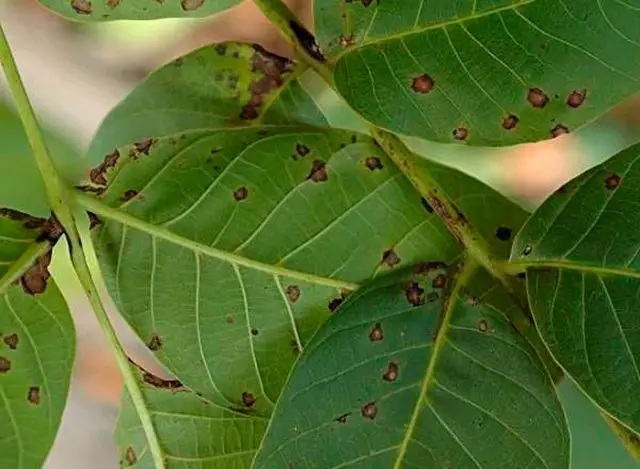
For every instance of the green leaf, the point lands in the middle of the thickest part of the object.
(491, 72)
(406, 376)
(37, 343)
(221, 86)
(110, 10)
(581, 251)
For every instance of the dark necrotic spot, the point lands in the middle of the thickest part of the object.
(392, 372)
(98, 174)
(460, 133)
(537, 98)
(190, 5)
(343, 418)
(373, 163)
(503, 233)
(155, 343)
(390, 258)
(160, 383)
(306, 40)
(612, 181)
(302, 150)
(440, 281)
(33, 395)
(426, 205)
(510, 122)
(240, 194)
(248, 399)
(94, 221)
(527, 250)
(221, 49)
(144, 146)
(369, 411)
(82, 7)
(12, 341)
(576, 98)
(293, 293)
(366, 3)
(422, 83)
(128, 195)
(318, 171)
(483, 326)
(34, 281)
(376, 333)
(130, 456)
(335, 304)
(254, 332)
(521, 275)
(5, 365)
(559, 130)
(414, 294)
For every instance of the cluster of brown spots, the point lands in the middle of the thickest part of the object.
(130, 456)
(248, 399)
(274, 68)
(302, 150)
(483, 326)
(440, 281)
(335, 304)
(343, 418)
(426, 205)
(97, 174)
(306, 40)
(392, 372)
(559, 130)
(369, 411)
(155, 343)
(12, 341)
(537, 98)
(373, 163)
(414, 294)
(161, 383)
(240, 194)
(190, 5)
(128, 195)
(510, 122)
(82, 7)
(422, 84)
(390, 258)
(461, 133)
(33, 396)
(318, 171)
(34, 281)
(143, 147)
(376, 333)
(254, 331)
(5, 365)
(576, 98)
(347, 41)
(503, 233)
(612, 181)
(293, 293)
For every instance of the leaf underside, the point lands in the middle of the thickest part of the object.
(402, 377)
(491, 72)
(582, 247)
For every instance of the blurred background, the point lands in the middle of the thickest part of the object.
(75, 73)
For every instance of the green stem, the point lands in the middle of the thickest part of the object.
(62, 202)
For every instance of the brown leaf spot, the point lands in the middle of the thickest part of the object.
(248, 399)
(537, 98)
(318, 171)
(240, 194)
(483, 326)
(293, 293)
(440, 281)
(33, 395)
(155, 343)
(414, 294)
(190, 5)
(347, 41)
(144, 146)
(113, 3)
(94, 221)
(229, 319)
(426, 205)
(12, 341)
(510, 122)
(82, 7)
(302, 150)
(130, 456)
(503, 233)
(376, 333)
(34, 281)
(422, 84)
(612, 181)
(369, 411)
(460, 133)
(559, 130)
(5, 365)
(343, 418)
(392, 372)
(366, 3)
(373, 163)
(27, 220)
(161, 383)
(335, 304)
(576, 98)
(97, 174)
(390, 258)
(128, 195)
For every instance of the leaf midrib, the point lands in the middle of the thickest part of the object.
(571, 265)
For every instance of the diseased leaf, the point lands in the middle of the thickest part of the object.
(221, 86)
(37, 343)
(407, 376)
(582, 249)
(492, 72)
(109, 10)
